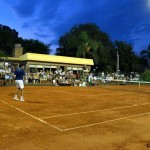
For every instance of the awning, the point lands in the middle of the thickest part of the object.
(56, 59)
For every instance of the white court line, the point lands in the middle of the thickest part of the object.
(95, 97)
(89, 96)
(108, 121)
(32, 116)
(72, 93)
(98, 89)
(94, 111)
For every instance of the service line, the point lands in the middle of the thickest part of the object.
(99, 110)
(108, 121)
(88, 96)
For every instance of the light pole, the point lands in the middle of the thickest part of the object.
(117, 66)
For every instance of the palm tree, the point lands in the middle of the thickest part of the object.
(96, 47)
(84, 44)
(91, 47)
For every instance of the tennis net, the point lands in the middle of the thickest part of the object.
(135, 86)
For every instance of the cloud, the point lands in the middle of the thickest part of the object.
(140, 35)
(24, 8)
(49, 19)
(41, 35)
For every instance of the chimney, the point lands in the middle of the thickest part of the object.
(17, 51)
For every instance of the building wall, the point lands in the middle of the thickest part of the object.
(42, 65)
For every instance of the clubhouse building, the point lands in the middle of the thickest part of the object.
(36, 62)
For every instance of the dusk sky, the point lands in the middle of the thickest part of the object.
(47, 20)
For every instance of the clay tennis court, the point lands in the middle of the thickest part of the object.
(76, 118)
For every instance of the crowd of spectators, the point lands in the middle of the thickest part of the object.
(60, 77)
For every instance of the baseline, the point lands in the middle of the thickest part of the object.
(34, 117)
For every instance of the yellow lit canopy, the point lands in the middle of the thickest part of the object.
(55, 59)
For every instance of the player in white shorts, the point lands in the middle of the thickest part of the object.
(19, 75)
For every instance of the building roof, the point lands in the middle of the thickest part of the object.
(10, 58)
(55, 59)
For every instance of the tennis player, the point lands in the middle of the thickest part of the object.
(19, 76)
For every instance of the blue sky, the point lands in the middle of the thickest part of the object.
(47, 20)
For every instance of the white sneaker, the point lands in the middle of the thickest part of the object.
(16, 98)
(22, 99)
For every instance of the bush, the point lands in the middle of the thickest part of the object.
(146, 76)
(2, 54)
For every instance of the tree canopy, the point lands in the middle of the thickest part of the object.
(145, 55)
(146, 76)
(34, 46)
(86, 40)
(89, 41)
(9, 37)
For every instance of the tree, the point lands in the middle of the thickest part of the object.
(34, 46)
(127, 58)
(83, 45)
(146, 76)
(145, 55)
(88, 41)
(8, 38)
(2, 54)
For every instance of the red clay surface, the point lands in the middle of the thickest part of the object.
(76, 118)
